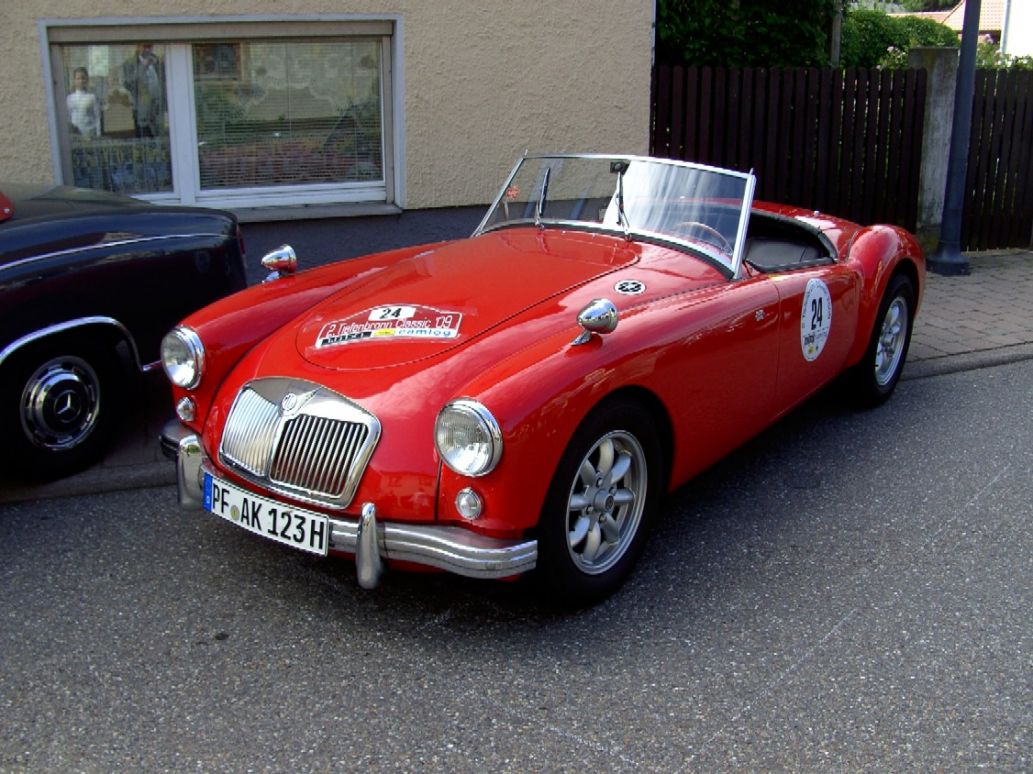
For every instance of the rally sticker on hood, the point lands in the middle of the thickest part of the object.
(385, 323)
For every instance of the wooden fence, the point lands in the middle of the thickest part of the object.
(998, 211)
(848, 142)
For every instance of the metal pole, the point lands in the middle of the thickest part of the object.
(947, 259)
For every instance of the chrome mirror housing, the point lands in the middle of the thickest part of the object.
(599, 316)
(280, 262)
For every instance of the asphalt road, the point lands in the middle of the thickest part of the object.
(849, 592)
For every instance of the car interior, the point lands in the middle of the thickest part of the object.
(778, 244)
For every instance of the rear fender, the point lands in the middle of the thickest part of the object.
(880, 252)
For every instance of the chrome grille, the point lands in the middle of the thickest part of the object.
(250, 433)
(316, 453)
(300, 439)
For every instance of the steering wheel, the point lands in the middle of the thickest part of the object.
(690, 225)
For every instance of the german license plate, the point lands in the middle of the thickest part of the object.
(294, 527)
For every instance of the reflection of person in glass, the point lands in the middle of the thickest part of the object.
(83, 108)
(144, 78)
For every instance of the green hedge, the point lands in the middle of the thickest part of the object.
(874, 39)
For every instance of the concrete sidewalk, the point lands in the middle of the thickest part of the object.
(965, 323)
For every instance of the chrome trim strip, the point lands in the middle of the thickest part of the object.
(744, 222)
(454, 549)
(102, 245)
(68, 325)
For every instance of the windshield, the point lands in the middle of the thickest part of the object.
(701, 208)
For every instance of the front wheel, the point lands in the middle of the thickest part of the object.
(599, 505)
(876, 376)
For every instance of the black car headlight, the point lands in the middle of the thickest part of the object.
(468, 438)
(182, 357)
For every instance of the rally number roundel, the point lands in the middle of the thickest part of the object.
(815, 319)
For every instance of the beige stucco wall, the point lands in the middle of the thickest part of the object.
(481, 82)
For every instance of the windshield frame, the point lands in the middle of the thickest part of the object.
(733, 270)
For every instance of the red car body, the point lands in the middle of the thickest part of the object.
(708, 360)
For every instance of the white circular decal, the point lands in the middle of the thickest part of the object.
(630, 287)
(815, 319)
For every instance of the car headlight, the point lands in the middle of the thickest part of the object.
(182, 357)
(468, 438)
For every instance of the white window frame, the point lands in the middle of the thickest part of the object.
(177, 34)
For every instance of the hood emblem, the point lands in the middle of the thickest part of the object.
(630, 287)
(292, 402)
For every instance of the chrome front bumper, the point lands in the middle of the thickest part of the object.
(454, 549)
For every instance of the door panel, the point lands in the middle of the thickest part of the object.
(725, 385)
(816, 329)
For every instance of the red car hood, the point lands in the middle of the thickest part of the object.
(447, 296)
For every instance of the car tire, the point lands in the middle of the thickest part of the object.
(876, 376)
(599, 505)
(58, 407)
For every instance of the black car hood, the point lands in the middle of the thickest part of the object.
(40, 201)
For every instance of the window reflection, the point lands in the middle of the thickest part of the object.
(287, 113)
(117, 117)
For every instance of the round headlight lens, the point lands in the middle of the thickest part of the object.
(468, 438)
(182, 357)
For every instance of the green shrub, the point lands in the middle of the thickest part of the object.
(790, 33)
(874, 39)
(989, 57)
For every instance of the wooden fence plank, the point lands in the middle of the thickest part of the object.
(696, 114)
(1021, 231)
(824, 137)
(768, 177)
(914, 123)
(678, 114)
(1004, 199)
(836, 150)
(760, 119)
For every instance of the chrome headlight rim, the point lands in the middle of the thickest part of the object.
(192, 364)
(470, 409)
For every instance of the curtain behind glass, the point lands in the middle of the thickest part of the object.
(273, 113)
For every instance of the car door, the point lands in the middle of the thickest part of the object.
(724, 389)
(818, 318)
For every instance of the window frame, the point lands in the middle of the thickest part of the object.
(178, 34)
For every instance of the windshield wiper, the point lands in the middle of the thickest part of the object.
(540, 207)
(619, 168)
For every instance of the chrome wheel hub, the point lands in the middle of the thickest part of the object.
(59, 403)
(606, 502)
(890, 348)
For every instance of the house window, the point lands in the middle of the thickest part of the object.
(233, 115)
(116, 117)
(273, 113)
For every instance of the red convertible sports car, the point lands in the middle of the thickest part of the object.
(521, 401)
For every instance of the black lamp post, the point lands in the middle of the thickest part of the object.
(947, 258)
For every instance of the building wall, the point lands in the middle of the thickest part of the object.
(481, 82)
(1018, 38)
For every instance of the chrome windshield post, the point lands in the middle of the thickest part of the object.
(540, 207)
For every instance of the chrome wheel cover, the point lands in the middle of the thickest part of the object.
(60, 403)
(605, 504)
(890, 347)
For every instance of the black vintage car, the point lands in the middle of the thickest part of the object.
(89, 284)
